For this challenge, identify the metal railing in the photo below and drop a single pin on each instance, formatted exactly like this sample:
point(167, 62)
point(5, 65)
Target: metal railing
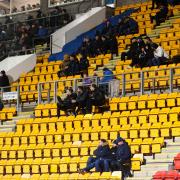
point(117, 86)
point(47, 92)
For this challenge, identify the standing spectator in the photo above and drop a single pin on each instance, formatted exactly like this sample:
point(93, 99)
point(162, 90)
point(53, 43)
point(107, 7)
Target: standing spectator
point(161, 15)
point(108, 29)
point(105, 45)
point(73, 66)
point(83, 64)
point(102, 151)
point(97, 45)
point(4, 81)
point(64, 67)
point(122, 156)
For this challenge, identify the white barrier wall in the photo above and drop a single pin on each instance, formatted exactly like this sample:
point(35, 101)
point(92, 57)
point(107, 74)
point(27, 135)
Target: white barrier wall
point(77, 27)
point(16, 65)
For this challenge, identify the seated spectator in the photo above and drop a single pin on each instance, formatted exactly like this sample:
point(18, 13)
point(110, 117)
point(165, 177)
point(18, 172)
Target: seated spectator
point(64, 67)
point(102, 152)
point(83, 64)
point(107, 76)
point(82, 100)
point(4, 81)
point(1, 105)
point(66, 104)
point(134, 51)
point(97, 97)
point(73, 66)
point(121, 157)
point(160, 56)
point(161, 15)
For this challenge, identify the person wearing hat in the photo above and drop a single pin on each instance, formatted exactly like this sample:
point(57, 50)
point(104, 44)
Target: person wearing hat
point(4, 81)
point(122, 156)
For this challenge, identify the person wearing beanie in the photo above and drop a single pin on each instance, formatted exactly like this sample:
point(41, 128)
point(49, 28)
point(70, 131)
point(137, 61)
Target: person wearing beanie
point(121, 157)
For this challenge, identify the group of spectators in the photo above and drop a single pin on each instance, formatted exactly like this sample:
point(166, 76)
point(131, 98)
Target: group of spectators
point(4, 81)
point(26, 8)
point(35, 30)
point(105, 41)
point(144, 52)
point(106, 159)
point(82, 101)
point(72, 66)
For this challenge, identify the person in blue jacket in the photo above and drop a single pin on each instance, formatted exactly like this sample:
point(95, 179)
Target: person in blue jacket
point(122, 156)
point(108, 76)
point(102, 151)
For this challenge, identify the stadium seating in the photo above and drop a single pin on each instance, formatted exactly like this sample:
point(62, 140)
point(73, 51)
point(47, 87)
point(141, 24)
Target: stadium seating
point(7, 114)
point(48, 147)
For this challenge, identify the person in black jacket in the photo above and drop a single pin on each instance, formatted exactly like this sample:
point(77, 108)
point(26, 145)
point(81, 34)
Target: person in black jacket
point(161, 15)
point(102, 151)
point(121, 157)
point(67, 104)
point(97, 97)
point(83, 64)
point(82, 100)
point(4, 81)
point(73, 66)
point(1, 105)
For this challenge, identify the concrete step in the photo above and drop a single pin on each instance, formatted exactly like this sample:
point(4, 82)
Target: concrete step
point(159, 161)
point(148, 173)
point(177, 139)
point(173, 144)
point(6, 130)
point(7, 126)
point(165, 155)
point(140, 178)
point(153, 35)
point(164, 26)
point(171, 149)
point(175, 17)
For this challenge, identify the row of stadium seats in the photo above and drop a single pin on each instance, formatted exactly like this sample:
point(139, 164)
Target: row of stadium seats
point(65, 176)
point(145, 102)
point(7, 113)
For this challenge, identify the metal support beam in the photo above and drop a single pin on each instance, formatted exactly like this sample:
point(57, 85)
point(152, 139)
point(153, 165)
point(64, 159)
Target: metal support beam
point(39, 93)
point(171, 74)
point(123, 85)
point(142, 83)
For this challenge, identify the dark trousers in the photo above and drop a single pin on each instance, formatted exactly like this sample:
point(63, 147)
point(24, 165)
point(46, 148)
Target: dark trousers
point(102, 165)
point(120, 166)
point(90, 164)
